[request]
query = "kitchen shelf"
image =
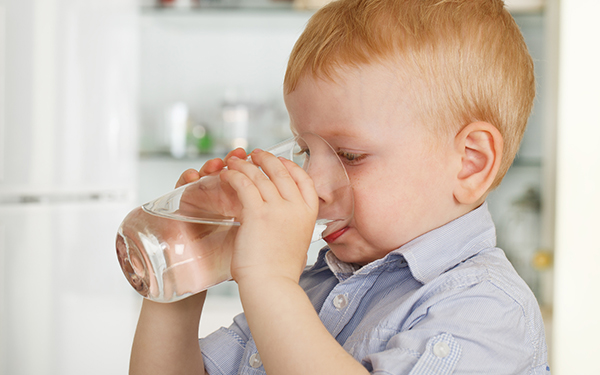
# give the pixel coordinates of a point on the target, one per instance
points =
(243, 6)
(524, 6)
(160, 156)
(224, 7)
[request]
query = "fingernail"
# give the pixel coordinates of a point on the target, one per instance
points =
(234, 158)
(256, 150)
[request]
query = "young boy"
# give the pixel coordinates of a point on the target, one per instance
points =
(426, 102)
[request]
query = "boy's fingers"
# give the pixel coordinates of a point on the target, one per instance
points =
(211, 166)
(262, 183)
(278, 174)
(305, 184)
(238, 153)
(215, 165)
(246, 190)
(187, 176)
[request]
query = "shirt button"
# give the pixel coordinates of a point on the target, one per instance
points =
(441, 349)
(255, 361)
(340, 301)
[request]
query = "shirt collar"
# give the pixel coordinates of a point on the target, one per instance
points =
(432, 253)
(437, 251)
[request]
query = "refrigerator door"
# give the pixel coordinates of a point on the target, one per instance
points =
(69, 80)
(68, 119)
(65, 308)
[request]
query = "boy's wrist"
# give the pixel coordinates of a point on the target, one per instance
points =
(264, 275)
(190, 306)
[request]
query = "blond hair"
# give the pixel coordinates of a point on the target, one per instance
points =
(468, 58)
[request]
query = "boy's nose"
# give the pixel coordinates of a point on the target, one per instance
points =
(335, 203)
(331, 182)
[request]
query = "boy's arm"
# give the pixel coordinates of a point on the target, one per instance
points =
(270, 253)
(288, 332)
(166, 338)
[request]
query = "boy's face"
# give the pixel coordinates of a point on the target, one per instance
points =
(401, 178)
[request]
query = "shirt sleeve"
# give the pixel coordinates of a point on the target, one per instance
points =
(224, 349)
(479, 329)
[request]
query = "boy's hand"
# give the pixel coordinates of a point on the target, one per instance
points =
(279, 210)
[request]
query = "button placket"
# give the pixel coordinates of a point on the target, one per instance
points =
(340, 301)
(441, 349)
(347, 296)
(255, 361)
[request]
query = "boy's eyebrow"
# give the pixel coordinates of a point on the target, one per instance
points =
(339, 136)
(345, 133)
(339, 131)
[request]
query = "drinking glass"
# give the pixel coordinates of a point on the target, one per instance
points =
(181, 243)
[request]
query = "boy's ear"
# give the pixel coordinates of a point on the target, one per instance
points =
(479, 146)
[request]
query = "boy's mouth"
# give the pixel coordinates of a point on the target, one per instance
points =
(335, 235)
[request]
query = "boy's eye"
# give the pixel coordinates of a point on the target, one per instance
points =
(302, 156)
(303, 152)
(350, 157)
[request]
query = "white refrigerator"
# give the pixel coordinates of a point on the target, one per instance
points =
(68, 113)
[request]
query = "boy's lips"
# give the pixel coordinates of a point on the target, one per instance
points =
(335, 235)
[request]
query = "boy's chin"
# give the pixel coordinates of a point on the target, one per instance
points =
(348, 254)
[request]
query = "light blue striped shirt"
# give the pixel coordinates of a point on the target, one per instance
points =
(448, 302)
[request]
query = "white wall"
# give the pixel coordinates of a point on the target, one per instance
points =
(198, 56)
(577, 285)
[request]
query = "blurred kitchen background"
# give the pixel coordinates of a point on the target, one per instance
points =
(103, 103)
